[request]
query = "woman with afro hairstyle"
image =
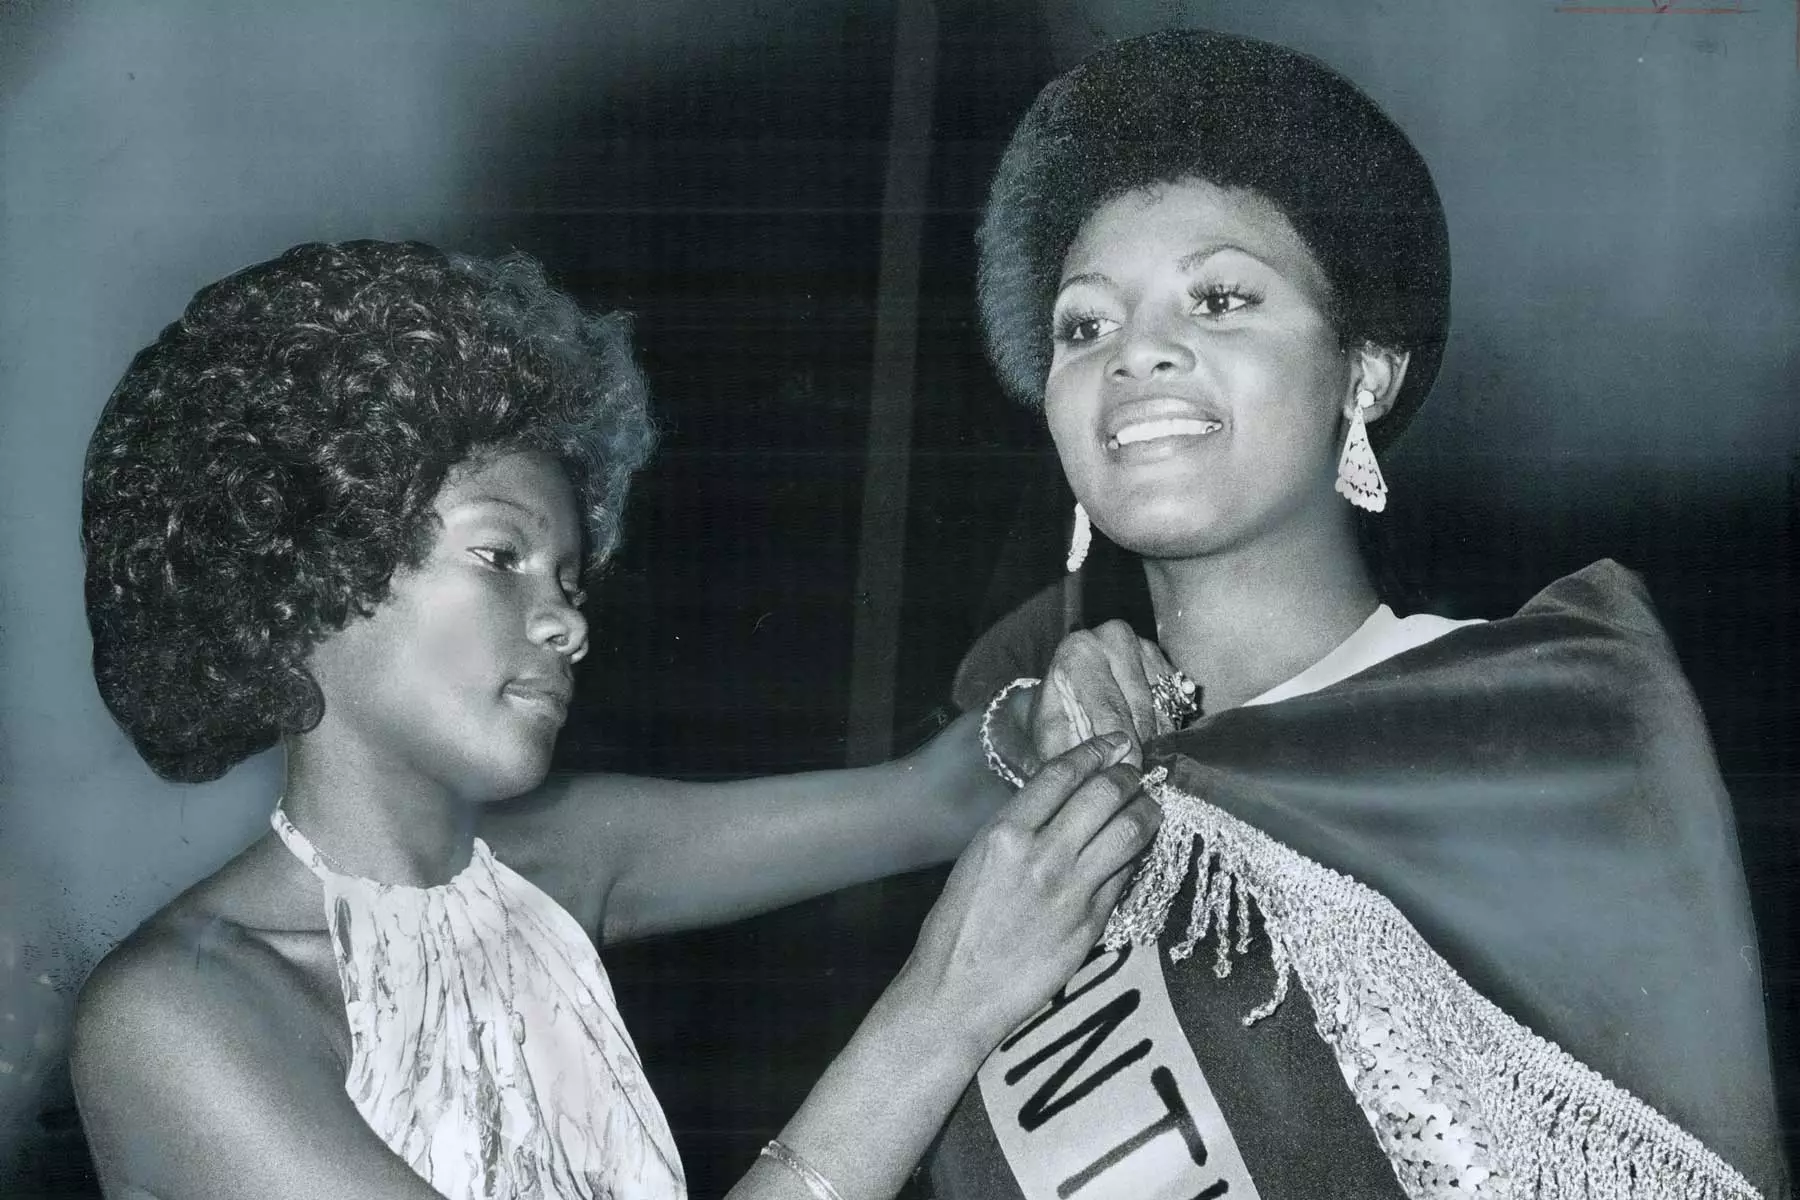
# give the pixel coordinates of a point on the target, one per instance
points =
(345, 504)
(1497, 857)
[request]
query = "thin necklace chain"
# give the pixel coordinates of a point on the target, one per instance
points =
(334, 864)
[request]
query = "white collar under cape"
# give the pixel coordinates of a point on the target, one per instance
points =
(1377, 639)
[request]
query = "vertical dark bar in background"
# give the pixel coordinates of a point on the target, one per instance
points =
(881, 548)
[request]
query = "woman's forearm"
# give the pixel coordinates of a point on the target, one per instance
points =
(947, 782)
(694, 855)
(1019, 911)
(873, 1114)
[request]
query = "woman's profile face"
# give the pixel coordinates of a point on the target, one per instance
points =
(1195, 383)
(464, 674)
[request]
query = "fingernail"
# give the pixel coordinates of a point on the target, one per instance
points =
(1116, 740)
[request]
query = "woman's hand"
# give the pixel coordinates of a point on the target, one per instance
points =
(1030, 896)
(1098, 682)
(1025, 903)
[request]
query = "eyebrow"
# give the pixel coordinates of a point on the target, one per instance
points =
(1094, 277)
(1195, 258)
(537, 517)
(1186, 263)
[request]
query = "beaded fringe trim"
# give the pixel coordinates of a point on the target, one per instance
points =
(1465, 1101)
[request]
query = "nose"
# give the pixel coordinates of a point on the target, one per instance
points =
(1150, 347)
(559, 625)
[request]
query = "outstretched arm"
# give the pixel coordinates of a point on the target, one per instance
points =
(634, 857)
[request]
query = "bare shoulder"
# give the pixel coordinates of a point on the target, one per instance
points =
(186, 983)
(246, 946)
(206, 1063)
(162, 1027)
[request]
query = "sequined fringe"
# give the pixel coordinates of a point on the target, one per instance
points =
(1465, 1101)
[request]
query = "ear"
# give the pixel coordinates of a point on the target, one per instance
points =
(1382, 372)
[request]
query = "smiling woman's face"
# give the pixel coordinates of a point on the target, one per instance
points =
(1196, 383)
(463, 674)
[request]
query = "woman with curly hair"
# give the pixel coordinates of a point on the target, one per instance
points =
(1497, 856)
(345, 504)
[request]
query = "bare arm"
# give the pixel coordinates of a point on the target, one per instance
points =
(199, 1077)
(633, 857)
(199, 1074)
(1020, 911)
(636, 857)
(202, 1072)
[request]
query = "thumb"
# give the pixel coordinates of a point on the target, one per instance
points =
(1058, 722)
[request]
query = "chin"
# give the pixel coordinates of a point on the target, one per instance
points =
(1182, 529)
(506, 771)
(524, 778)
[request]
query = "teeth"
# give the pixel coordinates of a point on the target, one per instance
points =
(1149, 431)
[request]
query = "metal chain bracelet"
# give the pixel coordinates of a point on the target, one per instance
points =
(995, 762)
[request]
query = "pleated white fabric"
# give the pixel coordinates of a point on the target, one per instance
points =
(490, 1087)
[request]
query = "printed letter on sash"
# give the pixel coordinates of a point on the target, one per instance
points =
(1099, 1097)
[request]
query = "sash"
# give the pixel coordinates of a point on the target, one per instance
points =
(1099, 1096)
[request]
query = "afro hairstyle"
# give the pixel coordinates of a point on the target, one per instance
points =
(267, 464)
(1237, 113)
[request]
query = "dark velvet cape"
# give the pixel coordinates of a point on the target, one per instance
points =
(1538, 796)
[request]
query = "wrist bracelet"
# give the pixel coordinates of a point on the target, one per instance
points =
(995, 763)
(815, 1183)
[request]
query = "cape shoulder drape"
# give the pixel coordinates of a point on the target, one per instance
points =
(1524, 822)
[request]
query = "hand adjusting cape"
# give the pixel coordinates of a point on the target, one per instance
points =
(1512, 836)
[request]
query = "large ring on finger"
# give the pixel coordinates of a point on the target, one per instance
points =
(1176, 697)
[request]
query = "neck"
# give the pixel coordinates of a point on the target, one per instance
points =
(1245, 619)
(374, 819)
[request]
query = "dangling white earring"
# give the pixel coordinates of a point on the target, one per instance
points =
(1358, 474)
(1080, 540)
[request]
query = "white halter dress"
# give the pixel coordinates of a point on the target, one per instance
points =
(490, 1087)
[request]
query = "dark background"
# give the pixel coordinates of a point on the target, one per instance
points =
(1622, 191)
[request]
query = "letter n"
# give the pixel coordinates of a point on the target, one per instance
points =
(1045, 1102)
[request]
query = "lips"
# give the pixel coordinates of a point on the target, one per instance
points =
(550, 695)
(1155, 419)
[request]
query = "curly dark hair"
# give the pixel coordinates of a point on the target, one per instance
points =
(1238, 113)
(269, 462)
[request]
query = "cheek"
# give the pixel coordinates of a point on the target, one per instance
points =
(445, 646)
(1293, 387)
(1070, 420)
(458, 637)
(357, 663)
(445, 634)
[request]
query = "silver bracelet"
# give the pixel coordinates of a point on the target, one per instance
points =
(995, 763)
(815, 1183)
